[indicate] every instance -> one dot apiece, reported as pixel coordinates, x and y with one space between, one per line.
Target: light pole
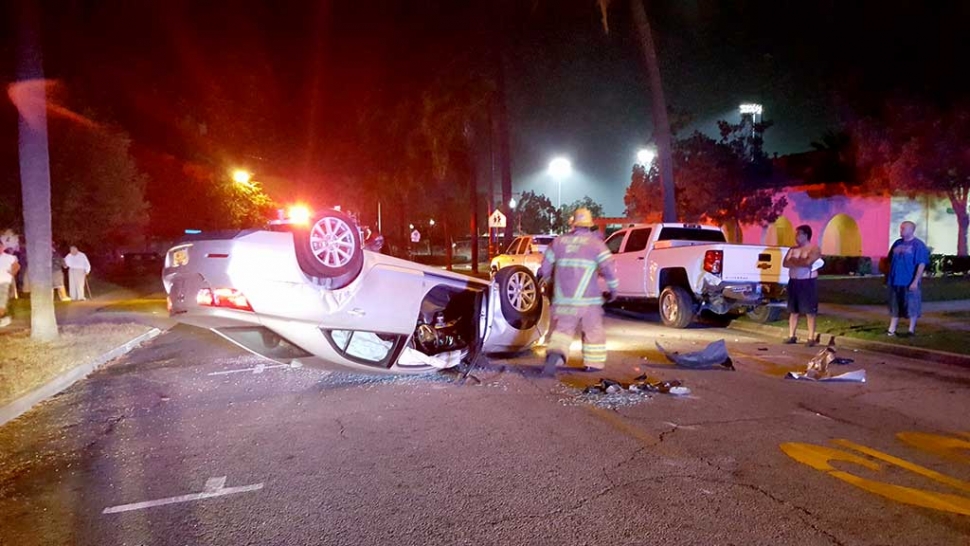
560 168
430 231
518 217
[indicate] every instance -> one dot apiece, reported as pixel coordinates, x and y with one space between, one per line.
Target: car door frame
632 265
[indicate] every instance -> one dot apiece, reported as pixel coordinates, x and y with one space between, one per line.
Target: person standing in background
908 258
8 270
78 269
802 283
57 273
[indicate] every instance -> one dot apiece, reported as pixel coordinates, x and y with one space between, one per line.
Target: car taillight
712 261
223 297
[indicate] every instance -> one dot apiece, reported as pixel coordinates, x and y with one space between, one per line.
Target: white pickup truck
687 268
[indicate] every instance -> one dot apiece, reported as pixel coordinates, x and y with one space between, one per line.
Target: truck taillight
713 260
229 298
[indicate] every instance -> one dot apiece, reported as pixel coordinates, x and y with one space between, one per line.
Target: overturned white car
310 294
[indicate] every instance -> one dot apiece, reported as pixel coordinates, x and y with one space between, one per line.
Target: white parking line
214 487
259 368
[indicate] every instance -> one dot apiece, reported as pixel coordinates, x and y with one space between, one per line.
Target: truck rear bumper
726 297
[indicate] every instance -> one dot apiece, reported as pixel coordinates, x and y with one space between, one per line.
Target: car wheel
521 300
677 307
764 314
330 249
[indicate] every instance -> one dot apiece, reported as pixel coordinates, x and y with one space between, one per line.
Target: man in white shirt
8 269
78 268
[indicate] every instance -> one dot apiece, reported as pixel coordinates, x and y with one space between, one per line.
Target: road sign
496 220
415 236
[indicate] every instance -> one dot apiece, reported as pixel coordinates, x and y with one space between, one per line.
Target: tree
535 213
913 147
98 190
561 223
721 181
29 95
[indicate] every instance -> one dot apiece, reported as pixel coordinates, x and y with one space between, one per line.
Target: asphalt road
506 458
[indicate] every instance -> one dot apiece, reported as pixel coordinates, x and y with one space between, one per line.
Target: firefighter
574 262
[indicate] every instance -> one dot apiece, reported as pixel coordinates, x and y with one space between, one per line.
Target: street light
240 176
751 109
512 203
560 168
646 156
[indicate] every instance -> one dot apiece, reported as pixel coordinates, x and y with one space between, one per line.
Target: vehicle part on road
715 354
818 367
857 376
677 307
520 296
330 249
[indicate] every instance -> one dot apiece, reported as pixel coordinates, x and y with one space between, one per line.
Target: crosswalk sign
496 220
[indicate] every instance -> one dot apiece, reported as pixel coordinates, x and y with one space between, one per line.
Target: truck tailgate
754 263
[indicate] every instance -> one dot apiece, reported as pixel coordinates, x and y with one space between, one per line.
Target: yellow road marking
912 467
948 447
819 457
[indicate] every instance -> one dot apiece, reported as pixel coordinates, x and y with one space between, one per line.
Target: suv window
691 234
614 242
637 240
514 247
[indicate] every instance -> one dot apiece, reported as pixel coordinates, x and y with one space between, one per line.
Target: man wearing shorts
802 283
908 258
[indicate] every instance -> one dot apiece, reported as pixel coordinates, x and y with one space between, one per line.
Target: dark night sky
294 76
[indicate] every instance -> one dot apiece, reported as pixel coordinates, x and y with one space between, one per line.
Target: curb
60 383
916 353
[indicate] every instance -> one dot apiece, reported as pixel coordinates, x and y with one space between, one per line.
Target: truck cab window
614 242
637 241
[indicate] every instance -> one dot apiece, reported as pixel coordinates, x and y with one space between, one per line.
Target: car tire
330 249
677 308
764 314
519 295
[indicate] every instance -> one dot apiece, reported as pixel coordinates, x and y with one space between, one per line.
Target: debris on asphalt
818 367
713 355
857 376
611 394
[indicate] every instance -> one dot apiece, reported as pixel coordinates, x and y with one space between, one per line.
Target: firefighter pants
567 320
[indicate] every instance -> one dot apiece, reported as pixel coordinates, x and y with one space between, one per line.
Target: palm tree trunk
29 95
958 201
661 123
501 131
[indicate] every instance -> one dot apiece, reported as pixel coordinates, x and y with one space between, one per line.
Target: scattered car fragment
713 355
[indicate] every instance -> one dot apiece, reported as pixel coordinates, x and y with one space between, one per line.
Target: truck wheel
519 296
330 249
676 307
764 314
